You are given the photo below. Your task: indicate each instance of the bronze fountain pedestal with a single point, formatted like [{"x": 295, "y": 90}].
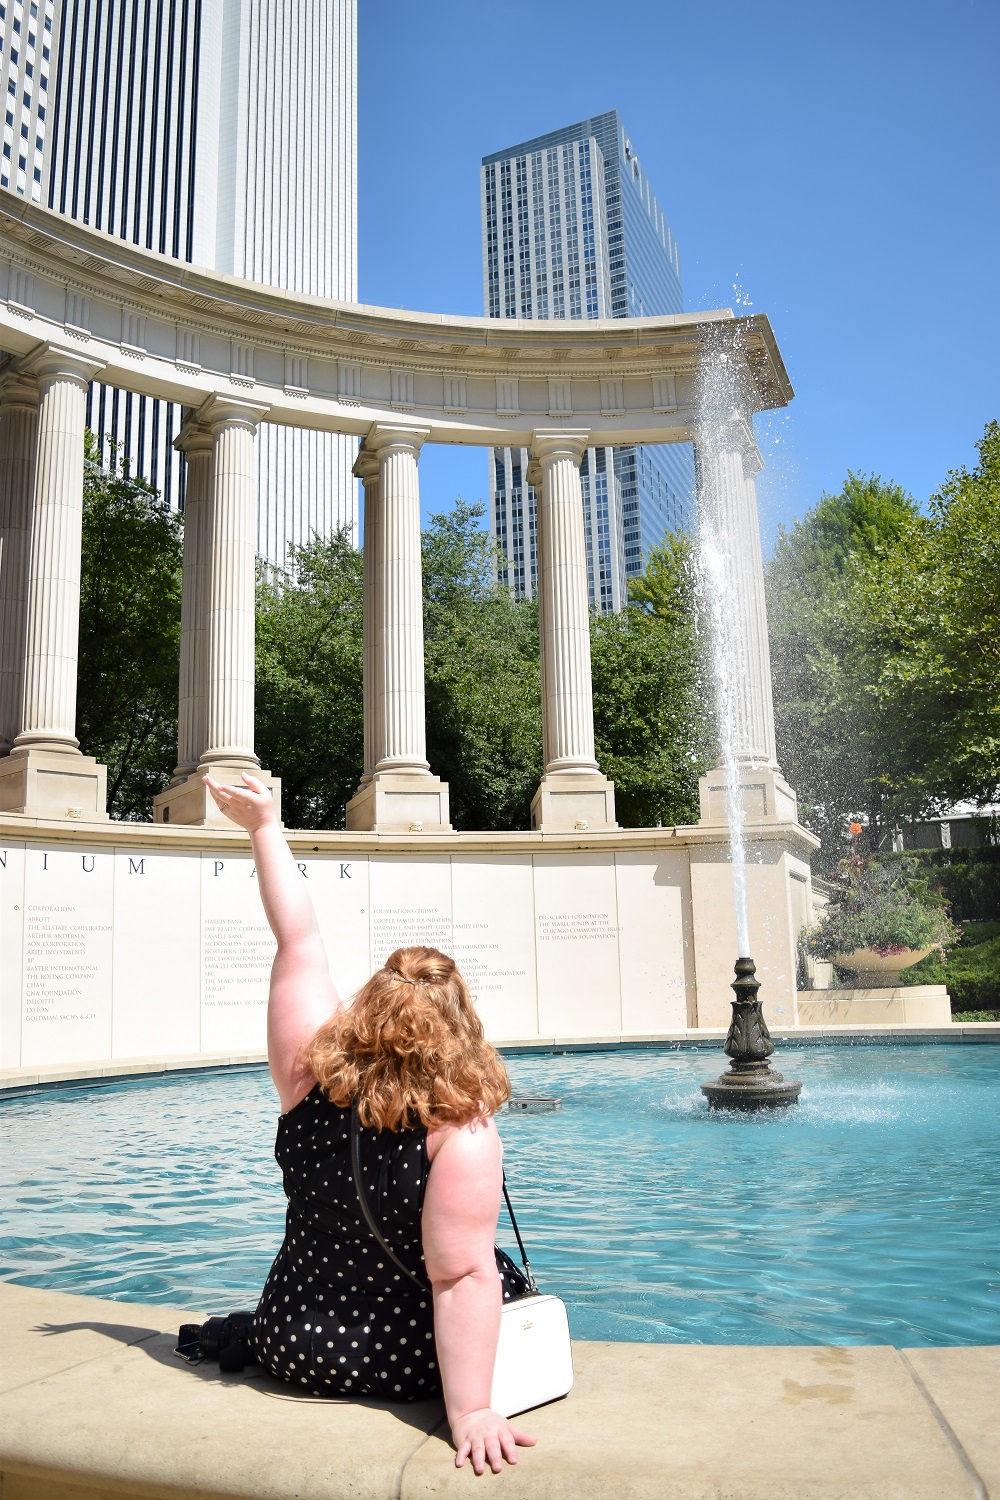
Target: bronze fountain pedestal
[{"x": 750, "y": 1082}]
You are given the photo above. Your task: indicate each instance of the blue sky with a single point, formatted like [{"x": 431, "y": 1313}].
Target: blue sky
[{"x": 832, "y": 166}]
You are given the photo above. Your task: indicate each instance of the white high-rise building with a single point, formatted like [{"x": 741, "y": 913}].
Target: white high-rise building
[
  {"x": 572, "y": 229},
  {"x": 221, "y": 132}
]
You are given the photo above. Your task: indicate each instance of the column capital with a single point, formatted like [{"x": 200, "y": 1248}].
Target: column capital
[
  {"x": 18, "y": 389},
  {"x": 218, "y": 411},
  {"x": 366, "y": 465},
  {"x": 194, "y": 437},
  {"x": 55, "y": 362},
  {"x": 402, "y": 435},
  {"x": 568, "y": 444},
  {"x": 734, "y": 435}
]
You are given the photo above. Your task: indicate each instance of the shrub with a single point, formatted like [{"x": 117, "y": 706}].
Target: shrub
[
  {"x": 971, "y": 972},
  {"x": 885, "y": 906},
  {"x": 968, "y": 879}
]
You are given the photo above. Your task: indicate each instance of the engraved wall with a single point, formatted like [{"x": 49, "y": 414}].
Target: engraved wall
[{"x": 111, "y": 953}]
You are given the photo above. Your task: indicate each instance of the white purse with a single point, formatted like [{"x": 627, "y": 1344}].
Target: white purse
[{"x": 534, "y": 1360}]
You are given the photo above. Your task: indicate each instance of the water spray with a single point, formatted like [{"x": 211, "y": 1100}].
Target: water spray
[{"x": 750, "y": 1083}]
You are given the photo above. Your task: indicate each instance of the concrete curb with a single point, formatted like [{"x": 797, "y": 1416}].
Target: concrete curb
[{"x": 93, "y": 1405}]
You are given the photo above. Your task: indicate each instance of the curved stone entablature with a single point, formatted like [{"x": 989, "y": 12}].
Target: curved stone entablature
[{"x": 164, "y": 328}]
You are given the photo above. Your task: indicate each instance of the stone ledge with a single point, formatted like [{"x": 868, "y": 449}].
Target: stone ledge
[
  {"x": 338, "y": 843},
  {"x": 94, "y": 1406},
  {"x": 908, "y": 1005}
]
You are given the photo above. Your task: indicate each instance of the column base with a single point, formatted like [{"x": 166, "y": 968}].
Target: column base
[
  {"x": 764, "y": 792},
  {"x": 189, "y": 802},
  {"x": 568, "y": 802},
  {"x": 400, "y": 802},
  {"x": 53, "y": 783}
]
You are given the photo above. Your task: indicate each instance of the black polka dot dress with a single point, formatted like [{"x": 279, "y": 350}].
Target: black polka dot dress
[{"x": 337, "y": 1317}]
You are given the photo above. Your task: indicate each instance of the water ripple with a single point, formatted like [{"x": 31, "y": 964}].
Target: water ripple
[{"x": 866, "y": 1215}]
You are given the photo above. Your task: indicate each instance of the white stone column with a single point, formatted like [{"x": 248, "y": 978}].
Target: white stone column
[
  {"x": 225, "y": 546},
  {"x": 367, "y": 469},
  {"x": 728, "y": 461},
  {"x": 573, "y": 793},
  {"x": 45, "y": 774},
  {"x": 401, "y": 795},
  {"x": 232, "y": 582},
  {"x": 18, "y": 435},
  {"x": 195, "y": 442}
]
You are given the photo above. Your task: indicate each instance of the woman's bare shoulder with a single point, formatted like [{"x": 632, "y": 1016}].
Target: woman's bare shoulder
[{"x": 475, "y": 1140}]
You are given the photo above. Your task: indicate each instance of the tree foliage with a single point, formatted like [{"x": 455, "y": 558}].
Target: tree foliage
[
  {"x": 484, "y": 723},
  {"x": 928, "y": 613},
  {"x": 885, "y": 638},
  {"x": 130, "y": 600},
  {"x": 650, "y": 723},
  {"x": 484, "y": 729},
  {"x": 829, "y": 744},
  {"x": 309, "y": 714}
]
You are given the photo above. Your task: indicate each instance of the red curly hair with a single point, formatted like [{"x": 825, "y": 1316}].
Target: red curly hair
[{"x": 410, "y": 1048}]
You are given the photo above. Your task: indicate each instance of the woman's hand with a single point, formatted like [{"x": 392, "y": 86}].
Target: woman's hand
[
  {"x": 486, "y": 1437},
  {"x": 250, "y": 807}
]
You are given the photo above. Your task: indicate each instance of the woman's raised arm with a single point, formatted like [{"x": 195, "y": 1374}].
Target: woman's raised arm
[{"x": 302, "y": 995}]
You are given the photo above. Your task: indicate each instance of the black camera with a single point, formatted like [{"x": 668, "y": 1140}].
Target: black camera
[{"x": 228, "y": 1339}]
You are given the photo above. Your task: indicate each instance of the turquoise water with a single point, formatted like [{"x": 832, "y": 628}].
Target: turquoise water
[{"x": 869, "y": 1214}]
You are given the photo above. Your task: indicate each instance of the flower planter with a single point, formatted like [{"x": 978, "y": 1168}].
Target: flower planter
[{"x": 880, "y": 970}]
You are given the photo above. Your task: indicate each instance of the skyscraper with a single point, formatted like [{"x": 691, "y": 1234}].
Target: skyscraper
[
  {"x": 572, "y": 229},
  {"x": 220, "y": 132}
]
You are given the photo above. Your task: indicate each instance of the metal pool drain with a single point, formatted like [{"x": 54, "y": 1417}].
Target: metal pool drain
[{"x": 534, "y": 1104}]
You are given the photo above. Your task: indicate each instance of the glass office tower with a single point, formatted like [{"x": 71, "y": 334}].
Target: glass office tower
[
  {"x": 215, "y": 131},
  {"x": 572, "y": 229}
]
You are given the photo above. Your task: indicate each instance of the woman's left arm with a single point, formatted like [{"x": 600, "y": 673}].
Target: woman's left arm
[
  {"x": 459, "y": 1220},
  {"x": 302, "y": 995}
]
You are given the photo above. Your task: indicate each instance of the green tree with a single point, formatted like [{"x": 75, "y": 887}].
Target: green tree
[
  {"x": 484, "y": 731},
  {"x": 309, "y": 715},
  {"x": 130, "y": 599},
  {"x": 928, "y": 620},
  {"x": 831, "y": 745},
  {"x": 885, "y": 638},
  {"x": 650, "y": 722}
]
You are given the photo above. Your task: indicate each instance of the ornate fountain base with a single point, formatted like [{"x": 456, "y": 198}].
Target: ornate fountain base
[{"x": 751, "y": 1082}]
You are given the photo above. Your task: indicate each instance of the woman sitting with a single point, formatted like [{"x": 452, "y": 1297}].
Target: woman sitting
[{"x": 338, "y": 1316}]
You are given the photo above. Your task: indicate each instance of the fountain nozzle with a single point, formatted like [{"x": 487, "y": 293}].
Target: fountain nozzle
[{"x": 750, "y": 1082}]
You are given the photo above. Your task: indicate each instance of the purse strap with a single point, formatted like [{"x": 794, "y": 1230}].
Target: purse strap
[
  {"x": 356, "y": 1169},
  {"x": 380, "y": 1237},
  {"x": 532, "y": 1283}
]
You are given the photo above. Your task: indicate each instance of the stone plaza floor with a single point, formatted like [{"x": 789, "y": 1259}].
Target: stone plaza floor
[{"x": 93, "y": 1404}]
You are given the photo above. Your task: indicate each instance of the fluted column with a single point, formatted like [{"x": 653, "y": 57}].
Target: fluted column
[
  {"x": 732, "y": 562},
  {"x": 727, "y": 464},
  {"x": 216, "y": 728},
  {"x": 401, "y": 741},
  {"x": 195, "y": 442},
  {"x": 45, "y": 774},
  {"x": 52, "y": 636},
  {"x": 231, "y": 582},
  {"x": 400, "y": 793},
  {"x": 367, "y": 469},
  {"x": 573, "y": 793},
  {"x": 18, "y": 435}
]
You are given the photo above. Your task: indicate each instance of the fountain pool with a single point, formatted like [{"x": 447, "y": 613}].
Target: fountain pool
[{"x": 867, "y": 1215}]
